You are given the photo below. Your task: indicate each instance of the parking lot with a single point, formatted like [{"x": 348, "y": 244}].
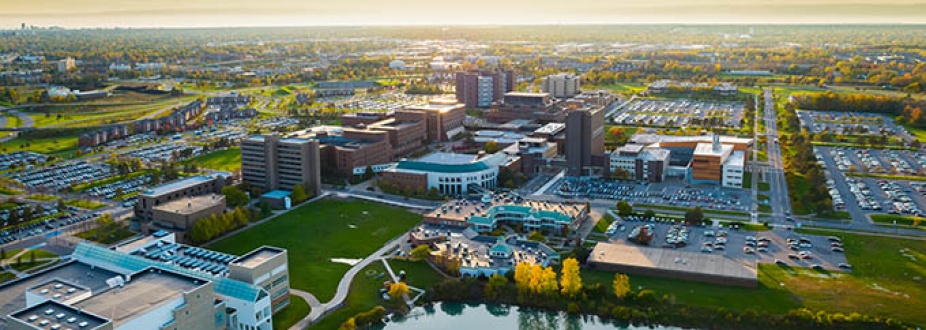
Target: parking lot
[
  {"x": 63, "y": 175},
  {"x": 20, "y": 158},
  {"x": 114, "y": 189},
  {"x": 874, "y": 195},
  {"x": 669, "y": 193},
  {"x": 682, "y": 112},
  {"x": 765, "y": 247},
  {"x": 851, "y": 123},
  {"x": 165, "y": 152}
]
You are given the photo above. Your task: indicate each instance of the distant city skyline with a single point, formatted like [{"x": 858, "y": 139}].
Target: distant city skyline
[{"x": 228, "y": 13}]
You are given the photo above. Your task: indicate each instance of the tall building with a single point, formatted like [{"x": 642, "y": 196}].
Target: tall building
[
  {"x": 478, "y": 89},
  {"x": 584, "y": 139},
  {"x": 269, "y": 162},
  {"x": 444, "y": 118},
  {"x": 641, "y": 163},
  {"x": 66, "y": 65},
  {"x": 561, "y": 86}
]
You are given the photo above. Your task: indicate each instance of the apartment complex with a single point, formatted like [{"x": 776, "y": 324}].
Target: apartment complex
[
  {"x": 271, "y": 162},
  {"x": 478, "y": 89},
  {"x": 486, "y": 215},
  {"x": 584, "y": 140},
  {"x": 561, "y": 86},
  {"x": 177, "y": 190}
]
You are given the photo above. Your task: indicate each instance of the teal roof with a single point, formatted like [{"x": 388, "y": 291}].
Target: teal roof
[
  {"x": 100, "y": 256},
  {"x": 528, "y": 211},
  {"x": 482, "y": 220},
  {"x": 441, "y": 168},
  {"x": 502, "y": 247}
]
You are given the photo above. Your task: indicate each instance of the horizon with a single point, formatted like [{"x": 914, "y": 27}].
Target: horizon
[{"x": 293, "y": 13}]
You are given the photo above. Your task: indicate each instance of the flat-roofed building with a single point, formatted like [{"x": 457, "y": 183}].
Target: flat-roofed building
[
  {"x": 271, "y": 162},
  {"x": 179, "y": 216},
  {"x": 264, "y": 267},
  {"x": 478, "y": 89},
  {"x": 561, "y": 86},
  {"x": 584, "y": 140},
  {"x": 540, "y": 107},
  {"x": 660, "y": 262},
  {"x": 713, "y": 159},
  {"x": 641, "y": 163},
  {"x": 443, "y": 117},
  {"x": 183, "y": 188},
  {"x": 405, "y": 137},
  {"x": 451, "y": 174},
  {"x": 486, "y": 215}
]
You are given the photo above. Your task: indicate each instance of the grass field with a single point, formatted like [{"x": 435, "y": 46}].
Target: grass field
[
  {"x": 119, "y": 235},
  {"x": 85, "y": 204},
  {"x": 364, "y": 291},
  {"x": 680, "y": 208},
  {"x": 43, "y": 197},
  {"x": 6, "y": 276},
  {"x": 288, "y": 317},
  {"x": 222, "y": 160},
  {"x": 888, "y": 219},
  {"x": 764, "y": 186},
  {"x": 320, "y": 231},
  {"x": 13, "y": 121},
  {"x": 63, "y": 145},
  {"x": 602, "y": 225}
]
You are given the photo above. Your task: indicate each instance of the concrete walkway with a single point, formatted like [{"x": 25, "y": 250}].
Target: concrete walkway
[
  {"x": 344, "y": 194},
  {"x": 543, "y": 190}
]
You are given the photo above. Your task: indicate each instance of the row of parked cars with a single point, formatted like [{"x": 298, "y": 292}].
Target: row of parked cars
[
  {"x": 110, "y": 191},
  {"x": 63, "y": 175},
  {"x": 38, "y": 228},
  {"x": 21, "y": 157}
]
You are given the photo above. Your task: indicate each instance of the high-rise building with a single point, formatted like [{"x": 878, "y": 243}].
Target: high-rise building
[
  {"x": 269, "y": 162},
  {"x": 584, "y": 139},
  {"x": 478, "y": 89},
  {"x": 561, "y": 86},
  {"x": 66, "y": 65}
]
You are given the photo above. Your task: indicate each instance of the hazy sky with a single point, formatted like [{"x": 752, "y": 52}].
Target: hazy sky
[{"x": 198, "y": 13}]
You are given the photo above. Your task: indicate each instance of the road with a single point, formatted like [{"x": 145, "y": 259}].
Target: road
[{"x": 774, "y": 172}]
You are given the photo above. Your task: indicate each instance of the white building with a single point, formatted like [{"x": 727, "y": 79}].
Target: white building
[
  {"x": 561, "y": 86},
  {"x": 733, "y": 169},
  {"x": 449, "y": 173},
  {"x": 397, "y": 65},
  {"x": 641, "y": 163}
]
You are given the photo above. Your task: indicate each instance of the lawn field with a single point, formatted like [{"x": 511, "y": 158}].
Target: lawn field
[
  {"x": 116, "y": 236},
  {"x": 291, "y": 314},
  {"x": 317, "y": 232},
  {"x": 85, "y": 204},
  {"x": 888, "y": 219},
  {"x": 43, "y": 197},
  {"x": 63, "y": 145},
  {"x": 222, "y": 160}
]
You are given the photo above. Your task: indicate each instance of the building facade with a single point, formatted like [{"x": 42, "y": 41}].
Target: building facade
[
  {"x": 584, "y": 139},
  {"x": 450, "y": 174},
  {"x": 179, "y": 216},
  {"x": 444, "y": 118},
  {"x": 181, "y": 189},
  {"x": 540, "y": 107},
  {"x": 478, "y": 89},
  {"x": 269, "y": 162},
  {"x": 561, "y": 86}
]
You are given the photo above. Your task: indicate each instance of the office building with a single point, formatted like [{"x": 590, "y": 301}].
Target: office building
[
  {"x": 179, "y": 216},
  {"x": 444, "y": 118},
  {"x": 540, "y": 107},
  {"x": 405, "y": 137},
  {"x": 181, "y": 189},
  {"x": 478, "y": 89},
  {"x": 561, "y": 86},
  {"x": 640, "y": 163},
  {"x": 712, "y": 159},
  {"x": 270, "y": 162},
  {"x": 584, "y": 140}
]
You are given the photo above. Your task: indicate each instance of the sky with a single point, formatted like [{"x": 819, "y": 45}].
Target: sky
[{"x": 224, "y": 13}]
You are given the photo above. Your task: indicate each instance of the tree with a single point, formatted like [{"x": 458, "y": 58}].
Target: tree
[
  {"x": 694, "y": 215},
  {"x": 399, "y": 290},
  {"x": 649, "y": 214},
  {"x": 495, "y": 286},
  {"x": 535, "y": 236},
  {"x": 420, "y": 252},
  {"x": 624, "y": 209},
  {"x": 32, "y": 257},
  {"x": 492, "y": 147},
  {"x": 2, "y": 253},
  {"x": 522, "y": 278},
  {"x": 234, "y": 197},
  {"x": 572, "y": 280},
  {"x": 299, "y": 194},
  {"x": 549, "y": 286},
  {"x": 621, "y": 286},
  {"x": 105, "y": 224}
]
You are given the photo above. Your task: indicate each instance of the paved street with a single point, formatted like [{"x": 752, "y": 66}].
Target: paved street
[{"x": 775, "y": 175}]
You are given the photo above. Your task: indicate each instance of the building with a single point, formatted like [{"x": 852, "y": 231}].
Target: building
[
  {"x": 561, "y": 86},
  {"x": 184, "y": 188},
  {"x": 451, "y": 174},
  {"x": 479, "y": 89},
  {"x": 397, "y": 65},
  {"x": 598, "y": 98},
  {"x": 641, "y": 163},
  {"x": 712, "y": 159},
  {"x": 661, "y": 262},
  {"x": 270, "y": 162},
  {"x": 179, "y": 216},
  {"x": 487, "y": 214},
  {"x": 540, "y": 107},
  {"x": 444, "y": 118},
  {"x": 346, "y": 151},
  {"x": 150, "y": 283},
  {"x": 405, "y": 137},
  {"x": 584, "y": 140},
  {"x": 66, "y": 65}
]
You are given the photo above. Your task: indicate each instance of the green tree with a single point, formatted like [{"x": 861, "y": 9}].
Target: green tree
[
  {"x": 694, "y": 215},
  {"x": 571, "y": 279},
  {"x": 624, "y": 209},
  {"x": 420, "y": 252},
  {"x": 234, "y": 197},
  {"x": 649, "y": 214},
  {"x": 621, "y": 286},
  {"x": 299, "y": 194},
  {"x": 497, "y": 283}
]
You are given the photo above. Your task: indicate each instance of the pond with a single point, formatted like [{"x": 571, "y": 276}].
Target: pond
[{"x": 452, "y": 315}]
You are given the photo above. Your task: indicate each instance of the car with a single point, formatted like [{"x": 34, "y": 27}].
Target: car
[
  {"x": 844, "y": 265},
  {"x": 763, "y": 239},
  {"x": 780, "y": 262},
  {"x": 793, "y": 256},
  {"x": 709, "y": 233},
  {"x": 817, "y": 267},
  {"x": 750, "y": 239},
  {"x": 762, "y": 249},
  {"x": 707, "y": 249},
  {"x": 750, "y": 243},
  {"x": 748, "y": 250},
  {"x": 834, "y": 239},
  {"x": 719, "y": 247},
  {"x": 834, "y": 244},
  {"x": 837, "y": 249},
  {"x": 805, "y": 255}
]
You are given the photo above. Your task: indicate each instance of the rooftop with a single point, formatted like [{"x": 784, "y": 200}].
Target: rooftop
[
  {"x": 145, "y": 291},
  {"x": 737, "y": 158},
  {"x": 673, "y": 260},
  {"x": 551, "y": 128},
  {"x": 277, "y": 194},
  {"x": 631, "y": 148},
  {"x": 12, "y": 297},
  {"x": 58, "y": 290},
  {"x": 647, "y": 139},
  {"x": 464, "y": 210},
  {"x": 176, "y": 185},
  {"x": 257, "y": 257},
  {"x": 451, "y": 163},
  {"x": 438, "y": 105},
  {"x": 707, "y": 149},
  {"x": 191, "y": 205},
  {"x": 54, "y": 315}
]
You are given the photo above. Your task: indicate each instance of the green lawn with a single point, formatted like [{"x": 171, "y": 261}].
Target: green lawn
[
  {"x": 26, "y": 265},
  {"x": 9, "y": 191},
  {"x": 317, "y": 232},
  {"x": 680, "y": 208},
  {"x": 13, "y": 121},
  {"x": 888, "y": 219},
  {"x": 106, "y": 181},
  {"x": 43, "y": 197},
  {"x": 8, "y": 205},
  {"x": 62, "y": 145},
  {"x": 363, "y": 296},
  {"x": 764, "y": 186},
  {"x": 116, "y": 236},
  {"x": 85, "y": 204},
  {"x": 291, "y": 314},
  {"x": 602, "y": 225},
  {"x": 747, "y": 180},
  {"x": 916, "y": 131},
  {"x": 11, "y": 253},
  {"x": 222, "y": 160},
  {"x": 6, "y": 276},
  {"x": 748, "y": 226}
]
